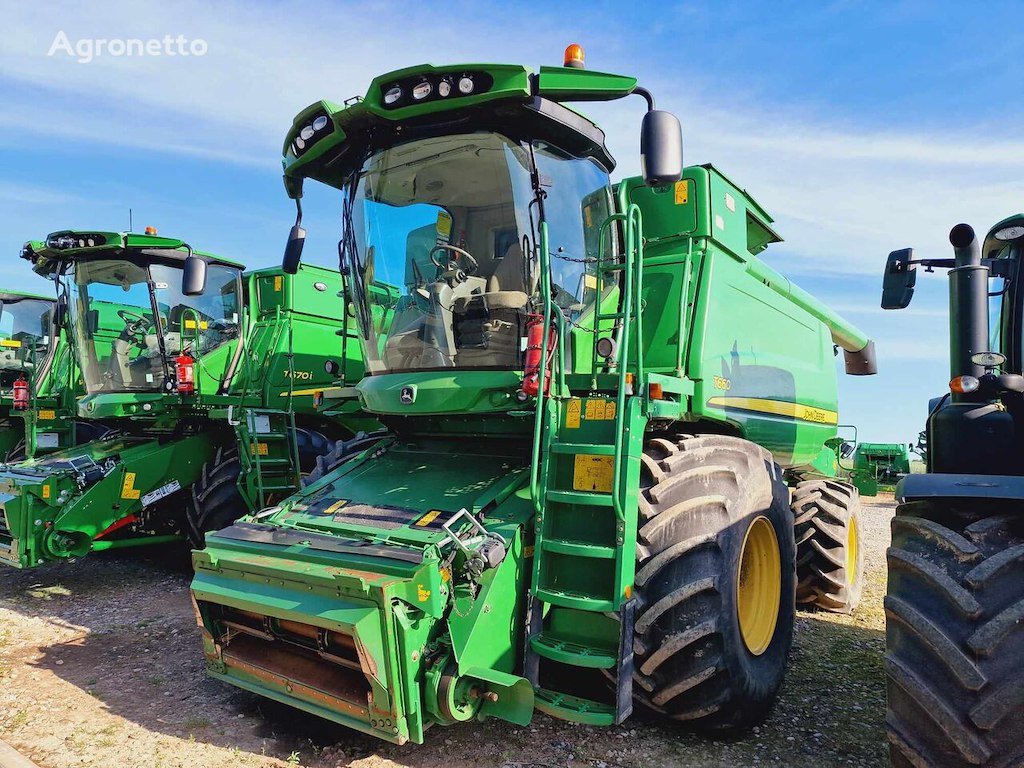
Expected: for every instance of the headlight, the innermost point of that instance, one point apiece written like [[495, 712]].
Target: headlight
[[392, 95], [1009, 233], [320, 123], [444, 88], [465, 85], [421, 91], [306, 133], [299, 143]]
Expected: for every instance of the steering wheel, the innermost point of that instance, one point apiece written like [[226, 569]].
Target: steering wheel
[[453, 261], [134, 323]]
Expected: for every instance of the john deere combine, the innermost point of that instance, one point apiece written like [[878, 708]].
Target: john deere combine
[[955, 602], [38, 380], [174, 375], [595, 394]]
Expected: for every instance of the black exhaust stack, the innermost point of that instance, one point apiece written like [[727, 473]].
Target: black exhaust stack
[[968, 304]]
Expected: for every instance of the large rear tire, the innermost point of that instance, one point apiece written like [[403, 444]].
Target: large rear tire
[[715, 581], [215, 501], [955, 635], [829, 556]]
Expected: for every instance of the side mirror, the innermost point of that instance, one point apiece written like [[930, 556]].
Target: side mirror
[[193, 276], [661, 148], [847, 450], [60, 314], [293, 250], [899, 279]]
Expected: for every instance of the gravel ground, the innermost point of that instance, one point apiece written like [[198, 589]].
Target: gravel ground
[[101, 666]]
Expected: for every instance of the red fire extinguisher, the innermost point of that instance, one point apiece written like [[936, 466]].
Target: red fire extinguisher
[[531, 368], [184, 367], [21, 394]]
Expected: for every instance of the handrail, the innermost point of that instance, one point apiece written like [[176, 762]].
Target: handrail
[[541, 408], [632, 262]]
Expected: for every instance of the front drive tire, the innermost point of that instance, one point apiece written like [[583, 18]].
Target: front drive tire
[[715, 581], [955, 635]]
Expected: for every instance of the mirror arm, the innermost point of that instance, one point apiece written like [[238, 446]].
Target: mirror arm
[[647, 95]]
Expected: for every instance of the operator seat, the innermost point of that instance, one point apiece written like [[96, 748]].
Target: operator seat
[[489, 325]]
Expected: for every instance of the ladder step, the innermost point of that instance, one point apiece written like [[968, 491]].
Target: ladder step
[[575, 600], [583, 449], [579, 497], [578, 549], [577, 654], [268, 463], [573, 708]]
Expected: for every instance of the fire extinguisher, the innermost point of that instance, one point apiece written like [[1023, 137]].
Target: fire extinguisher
[[531, 369], [21, 394], [184, 369]]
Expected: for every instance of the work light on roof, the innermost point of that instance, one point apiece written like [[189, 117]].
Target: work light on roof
[[393, 94], [1009, 233], [320, 123], [444, 88], [421, 91], [466, 85], [306, 133]]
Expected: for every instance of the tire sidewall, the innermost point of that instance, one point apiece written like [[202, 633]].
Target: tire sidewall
[[758, 675]]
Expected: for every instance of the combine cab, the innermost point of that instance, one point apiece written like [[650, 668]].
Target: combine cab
[[596, 395], [176, 369], [38, 380]]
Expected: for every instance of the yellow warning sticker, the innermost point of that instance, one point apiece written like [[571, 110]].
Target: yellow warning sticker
[[444, 226], [46, 491], [593, 473], [10, 343], [128, 489], [428, 518], [47, 415], [203, 325], [278, 281], [263, 449], [422, 593], [572, 414], [682, 193], [600, 410]]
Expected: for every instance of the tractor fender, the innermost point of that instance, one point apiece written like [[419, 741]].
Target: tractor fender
[[936, 486]]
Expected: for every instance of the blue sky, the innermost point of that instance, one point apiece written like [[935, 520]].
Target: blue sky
[[862, 127]]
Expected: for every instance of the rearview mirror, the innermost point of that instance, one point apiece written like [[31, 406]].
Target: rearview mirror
[[193, 276], [899, 279], [661, 148], [60, 313], [293, 250]]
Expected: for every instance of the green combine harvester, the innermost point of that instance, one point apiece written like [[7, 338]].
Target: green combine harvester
[[38, 380], [596, 394], [879, 464], [183, 358]]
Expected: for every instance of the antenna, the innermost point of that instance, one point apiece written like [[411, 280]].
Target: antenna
[[129, 219]]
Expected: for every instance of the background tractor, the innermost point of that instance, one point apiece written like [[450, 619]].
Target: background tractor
[[595, 394], [955, 600], [38, 380], [180, 353]]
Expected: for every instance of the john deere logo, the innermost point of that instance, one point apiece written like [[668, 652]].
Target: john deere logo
[[408, 395]]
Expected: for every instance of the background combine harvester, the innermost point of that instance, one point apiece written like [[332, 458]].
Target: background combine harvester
[[955, 601], [38, 380], [597, 394], [180, 368]]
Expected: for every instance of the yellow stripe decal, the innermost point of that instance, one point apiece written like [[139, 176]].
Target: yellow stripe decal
[[797, 411], [300, 392]]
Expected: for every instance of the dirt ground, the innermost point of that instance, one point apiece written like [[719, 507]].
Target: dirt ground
[[100, 665]]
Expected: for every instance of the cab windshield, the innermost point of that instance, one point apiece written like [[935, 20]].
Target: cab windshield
[[25, 335], [440, 248], [129, 321]]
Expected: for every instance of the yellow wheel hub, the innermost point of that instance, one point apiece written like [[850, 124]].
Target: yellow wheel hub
[[852, 542], [759, 588]]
